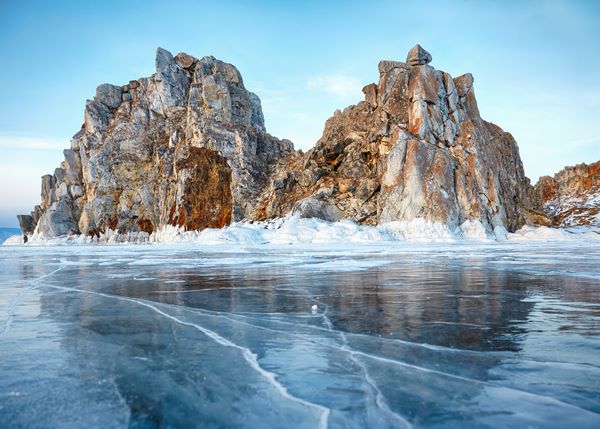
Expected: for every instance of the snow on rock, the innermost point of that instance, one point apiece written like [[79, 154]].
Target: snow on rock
[[572, 196]]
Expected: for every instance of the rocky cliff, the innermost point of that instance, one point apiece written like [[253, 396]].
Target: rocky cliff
[[187, 146], [572, 196], [415, 148]]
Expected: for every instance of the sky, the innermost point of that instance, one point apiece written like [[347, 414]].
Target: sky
[[536, 66]]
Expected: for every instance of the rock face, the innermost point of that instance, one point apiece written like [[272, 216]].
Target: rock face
[[187, 146], [572, 196], [415, 148]]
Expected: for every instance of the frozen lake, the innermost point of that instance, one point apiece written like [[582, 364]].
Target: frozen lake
[[467, 335]]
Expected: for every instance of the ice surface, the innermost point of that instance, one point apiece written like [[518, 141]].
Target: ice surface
[[304, 324]]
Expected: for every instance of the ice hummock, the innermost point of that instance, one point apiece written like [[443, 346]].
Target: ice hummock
[[293, 230]]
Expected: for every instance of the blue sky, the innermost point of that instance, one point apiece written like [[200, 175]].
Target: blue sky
[[536, 66]]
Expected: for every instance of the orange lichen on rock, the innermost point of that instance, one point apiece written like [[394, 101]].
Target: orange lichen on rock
[[206, 199]]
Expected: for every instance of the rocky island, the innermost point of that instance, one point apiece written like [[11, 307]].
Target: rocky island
[[188, 147]]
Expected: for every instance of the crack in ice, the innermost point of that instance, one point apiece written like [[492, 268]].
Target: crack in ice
[[246, 353], [252, 360], [15, 300], [379, 397], [400, 363]]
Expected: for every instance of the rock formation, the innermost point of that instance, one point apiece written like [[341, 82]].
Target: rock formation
[[415, 148], [572, 196], [187, 146]]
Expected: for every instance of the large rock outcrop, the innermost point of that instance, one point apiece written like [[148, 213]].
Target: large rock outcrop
[[187, 146], [572, 196], [415, 148]]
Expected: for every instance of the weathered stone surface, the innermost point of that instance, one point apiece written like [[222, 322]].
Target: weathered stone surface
[[205, 191], [572, 196], [370, 92], [184, 60], [416, 148], [188, 147], [418, 56], [317, 208], [109, 95]]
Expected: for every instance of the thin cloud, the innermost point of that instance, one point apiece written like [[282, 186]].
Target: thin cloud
[[340, 85], [32, 143]]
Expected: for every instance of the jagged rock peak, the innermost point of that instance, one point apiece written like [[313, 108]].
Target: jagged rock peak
[[416, 147], [418, 56], [185, 146]]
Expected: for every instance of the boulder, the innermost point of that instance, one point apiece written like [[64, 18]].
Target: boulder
[[109, 95], [418, 56], [317, 208]]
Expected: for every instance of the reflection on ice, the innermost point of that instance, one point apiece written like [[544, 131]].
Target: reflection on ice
[[446, 335]]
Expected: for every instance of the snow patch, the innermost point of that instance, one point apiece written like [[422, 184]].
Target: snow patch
[[13, 240], [543, 233]]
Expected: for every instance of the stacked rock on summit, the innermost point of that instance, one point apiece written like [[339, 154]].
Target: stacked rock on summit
[[188, 147], [418, 56]]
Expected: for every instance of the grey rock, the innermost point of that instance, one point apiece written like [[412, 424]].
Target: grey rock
[[57, 220], [109, 95], [172, 81], [151, 161], [316, 208], [418, 56], [386, 66], [257, 119]]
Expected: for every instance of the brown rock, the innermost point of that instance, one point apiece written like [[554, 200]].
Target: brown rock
[[421, 151], [572, 196], [206, 193], [184, 60], [370, 92]]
